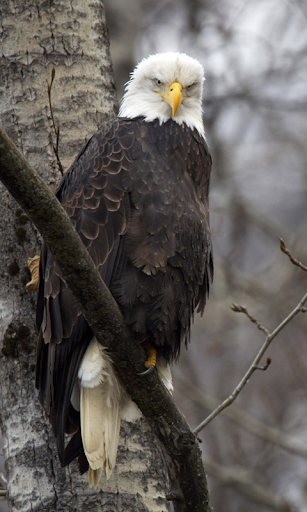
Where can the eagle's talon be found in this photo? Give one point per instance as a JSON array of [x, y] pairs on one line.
[[149, 370]]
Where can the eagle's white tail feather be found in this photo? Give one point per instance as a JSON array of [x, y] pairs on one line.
[[99, 411], [164, 372], [94, 476], [101, 402]]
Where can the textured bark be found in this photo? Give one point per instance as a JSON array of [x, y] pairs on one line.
[[72, 37]]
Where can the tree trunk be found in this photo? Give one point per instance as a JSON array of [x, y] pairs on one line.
[[72, 37]]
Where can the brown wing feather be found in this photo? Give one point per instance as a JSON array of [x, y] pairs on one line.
[[167, 243], [94, 198]]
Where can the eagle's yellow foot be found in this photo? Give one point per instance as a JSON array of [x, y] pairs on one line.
[[33, 265], [150, 363]]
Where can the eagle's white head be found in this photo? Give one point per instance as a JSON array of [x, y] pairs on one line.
[[165, 86]]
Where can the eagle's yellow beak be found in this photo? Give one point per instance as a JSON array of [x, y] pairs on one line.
[[174, 96]]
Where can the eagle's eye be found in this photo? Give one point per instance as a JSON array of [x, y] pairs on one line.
[[158, 82]]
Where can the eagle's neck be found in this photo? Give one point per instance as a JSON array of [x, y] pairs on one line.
[[189, 113]]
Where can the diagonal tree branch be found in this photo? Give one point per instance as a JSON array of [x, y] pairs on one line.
[[103, 314]]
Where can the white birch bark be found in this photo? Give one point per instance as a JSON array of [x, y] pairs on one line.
[[36, 35]]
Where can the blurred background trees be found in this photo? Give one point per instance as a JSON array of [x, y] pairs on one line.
[[255, 102]]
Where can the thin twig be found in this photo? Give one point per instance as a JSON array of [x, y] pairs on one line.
[[56, 128], [242, 309], [293, 260], [253, 366], [3, 492]]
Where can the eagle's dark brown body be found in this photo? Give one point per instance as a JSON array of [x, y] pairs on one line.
[[138, 197]]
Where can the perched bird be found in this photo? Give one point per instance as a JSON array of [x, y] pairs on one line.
[[137, 195]]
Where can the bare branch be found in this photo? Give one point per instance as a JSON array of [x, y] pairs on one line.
[[254, 365], [293, 260], [85, 282]]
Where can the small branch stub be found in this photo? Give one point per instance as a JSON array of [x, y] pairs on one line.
[[265, 367]]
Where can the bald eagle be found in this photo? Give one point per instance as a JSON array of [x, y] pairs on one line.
[[137, 195]]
